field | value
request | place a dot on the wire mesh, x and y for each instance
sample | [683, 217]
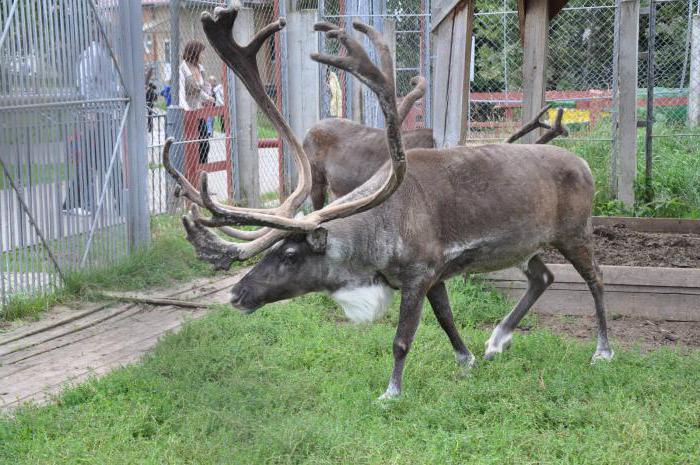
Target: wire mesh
[207, 134]
[672, 61]
[406, 26]
[62, 105]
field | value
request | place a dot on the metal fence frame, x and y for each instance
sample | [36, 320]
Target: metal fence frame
[62, 149]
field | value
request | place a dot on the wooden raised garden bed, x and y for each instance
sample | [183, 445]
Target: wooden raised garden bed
[669, 292]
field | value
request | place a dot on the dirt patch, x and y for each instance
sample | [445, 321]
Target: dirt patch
[626, 332]
[619, 245]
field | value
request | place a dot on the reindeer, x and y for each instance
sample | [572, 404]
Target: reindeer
[344, 154]
[425, 216]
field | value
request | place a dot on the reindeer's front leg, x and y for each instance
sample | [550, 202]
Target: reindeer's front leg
[409, 318]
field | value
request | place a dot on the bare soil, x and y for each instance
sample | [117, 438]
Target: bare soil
[626, 332]
[619, 245]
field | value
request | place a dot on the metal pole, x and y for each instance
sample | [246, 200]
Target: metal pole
[694, 75]
[108, 178]
[6, 29]
[138, 224]
[175, 53]
[174, 118]
[651, 80]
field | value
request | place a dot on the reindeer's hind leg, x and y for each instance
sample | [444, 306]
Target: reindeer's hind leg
[437, 296]
[319, 186]
[539, 278]
[581, 257]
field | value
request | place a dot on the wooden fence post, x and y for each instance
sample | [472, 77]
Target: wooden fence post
[623, 164]
[452, 32]
[246, 156]
[535, 33]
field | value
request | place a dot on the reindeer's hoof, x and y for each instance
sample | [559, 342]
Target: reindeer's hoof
[391, 392]
[603, 354]
[498, 342]
[465, 362]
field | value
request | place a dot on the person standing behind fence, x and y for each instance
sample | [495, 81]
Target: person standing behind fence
[195, 91]
[90, 153]
[217, 92]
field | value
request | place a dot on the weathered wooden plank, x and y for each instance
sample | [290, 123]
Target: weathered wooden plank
[451, 78]
[53, 358]
[535, 34]
[655, 293]
[651, 225]
[624, 164]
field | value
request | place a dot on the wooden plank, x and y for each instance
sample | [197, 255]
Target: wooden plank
[651, 225]
[52, 358]
[534, 62]
[451, 78]
[654, 293]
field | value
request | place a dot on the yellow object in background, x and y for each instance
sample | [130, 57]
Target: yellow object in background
[571, 115]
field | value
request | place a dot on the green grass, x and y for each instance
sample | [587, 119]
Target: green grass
[676, 172]
[169, 259]
[294, 383]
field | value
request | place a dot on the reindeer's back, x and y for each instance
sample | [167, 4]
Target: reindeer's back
[528, 192]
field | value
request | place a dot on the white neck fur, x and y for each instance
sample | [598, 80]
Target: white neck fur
[364, 304]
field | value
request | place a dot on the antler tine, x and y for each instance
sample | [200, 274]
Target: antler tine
[243, 235]
[530, 126]
[263, 34]
[325, 26]
[184, 188]
[420, 84]
[381, 46]
[356, 62]
[232, 232]
[220, 253]
[557, 129]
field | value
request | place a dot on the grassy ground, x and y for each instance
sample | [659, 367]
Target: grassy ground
[676, 172]
[294, 383]
[169, 259]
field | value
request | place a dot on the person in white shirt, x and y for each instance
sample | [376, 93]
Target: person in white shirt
[93, 142]
[195, 91]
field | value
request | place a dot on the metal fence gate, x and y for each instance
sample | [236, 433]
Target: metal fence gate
[64, 108]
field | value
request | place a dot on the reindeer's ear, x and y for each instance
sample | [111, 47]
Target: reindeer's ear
[317, 239]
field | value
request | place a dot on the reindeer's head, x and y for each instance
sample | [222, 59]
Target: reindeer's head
[298, 260]
[294, 266]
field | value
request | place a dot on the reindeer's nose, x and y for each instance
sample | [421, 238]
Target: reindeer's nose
[235, 297]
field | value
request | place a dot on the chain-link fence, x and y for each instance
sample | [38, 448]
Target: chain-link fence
[204, 93]
[406, 26]
[579, 67]
[63, 108]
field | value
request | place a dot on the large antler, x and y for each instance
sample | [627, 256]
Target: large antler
[355, 62]
[241, 59]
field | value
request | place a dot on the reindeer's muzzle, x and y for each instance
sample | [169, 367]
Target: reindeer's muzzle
[241, 299]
